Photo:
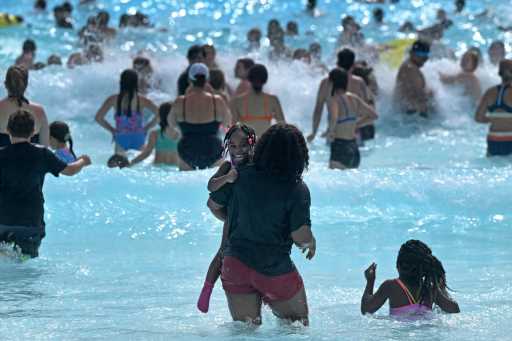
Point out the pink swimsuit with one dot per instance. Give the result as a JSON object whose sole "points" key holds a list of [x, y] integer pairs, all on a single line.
{"points": [[412, 309]]}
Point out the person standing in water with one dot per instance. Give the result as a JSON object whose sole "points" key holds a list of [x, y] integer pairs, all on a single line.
{"points": [[195, 54], [242, 68], [421, 283], [257, 108], [16, 83], [130, 129], [23, 167], [496, 52], [239, 144], [257, 265], [356, 85], [466, 77], [495, 108], [411, 94], [199, 115], [28, 54], [62, 142], [347, 113], [164, 141]]}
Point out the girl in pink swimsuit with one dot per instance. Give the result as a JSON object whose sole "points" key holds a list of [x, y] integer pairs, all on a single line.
{"points": [[421, 283]]}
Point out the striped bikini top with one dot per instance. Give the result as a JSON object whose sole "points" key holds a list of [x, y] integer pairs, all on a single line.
{"points": [[506, 110]]}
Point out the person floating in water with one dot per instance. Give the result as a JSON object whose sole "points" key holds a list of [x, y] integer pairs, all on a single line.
{"points": [[466, 77], [411, 95], [23, 166], [495, 108], [62, 142], [130, 128], [239, 143], [421, 283], [164, 141]]}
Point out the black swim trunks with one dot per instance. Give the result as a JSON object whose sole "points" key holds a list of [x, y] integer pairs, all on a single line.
{"points": [[346, 152], [499, 148], [28, 239]]}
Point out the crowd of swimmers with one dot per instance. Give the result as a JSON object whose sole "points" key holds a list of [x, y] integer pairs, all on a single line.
{"points": [[242, 129]]}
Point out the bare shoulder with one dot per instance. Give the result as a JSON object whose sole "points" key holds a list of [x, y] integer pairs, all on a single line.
{"points": [[37, 109]]}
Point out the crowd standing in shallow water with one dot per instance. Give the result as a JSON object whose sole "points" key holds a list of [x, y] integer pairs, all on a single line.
{"points": [[262, 159]]}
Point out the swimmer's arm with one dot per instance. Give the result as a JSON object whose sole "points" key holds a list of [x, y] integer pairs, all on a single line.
{"points": [[76, 167], [44, 130], [333, 109], [367, 114], [147, 103], [278, 111], [371, 302], [446, 303], [481, 111], [102, 113], [219, 178], [304, 240], [321, 98], [148, 149], [235, 115], [448, 79], [217, 210], [223, 108]]}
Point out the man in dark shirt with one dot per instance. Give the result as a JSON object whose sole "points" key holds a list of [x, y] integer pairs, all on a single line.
{"points": [[23, 167], [268, 210], [195, 54]]}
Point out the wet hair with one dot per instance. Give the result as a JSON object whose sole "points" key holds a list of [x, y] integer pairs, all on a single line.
{"points": [[163, 112], [29, 46], [123, 20], [40, 5], [300, 54], [292, 27], [250, 132], [311, 5], [105, 15], [217, 79], [258, 77], [378, 15], [363, 71], [246, 62], [128, 85], [346, 59], [282, 152], [143, 61], [497, 43], [348, 19], [60, 131], [16, 82], [199, 82], [66, 6], [417, 265], [195, 51], [460, 4], [474, 56], [420, 46], [21, 124], [338, 79], [209, 46], [254, 31]]}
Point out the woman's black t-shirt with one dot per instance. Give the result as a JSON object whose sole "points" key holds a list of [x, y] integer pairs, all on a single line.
{"points": [[23, 167], [262, 213]]}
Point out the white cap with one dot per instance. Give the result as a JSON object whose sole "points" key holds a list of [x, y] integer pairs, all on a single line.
{"points": [[198, 69]]}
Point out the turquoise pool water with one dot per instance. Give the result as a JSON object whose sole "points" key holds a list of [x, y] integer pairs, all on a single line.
{"points": [[126, 251]]}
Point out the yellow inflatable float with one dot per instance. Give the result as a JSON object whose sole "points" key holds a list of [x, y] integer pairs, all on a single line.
{"points": [[393, 52], [7, 20]]}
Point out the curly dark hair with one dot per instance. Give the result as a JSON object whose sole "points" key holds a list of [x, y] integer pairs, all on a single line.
{"points": [[282, 152], [21, 124], [418, 265]]}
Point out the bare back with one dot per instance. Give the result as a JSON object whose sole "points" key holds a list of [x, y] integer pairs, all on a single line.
{"points": [[9, 106]]}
